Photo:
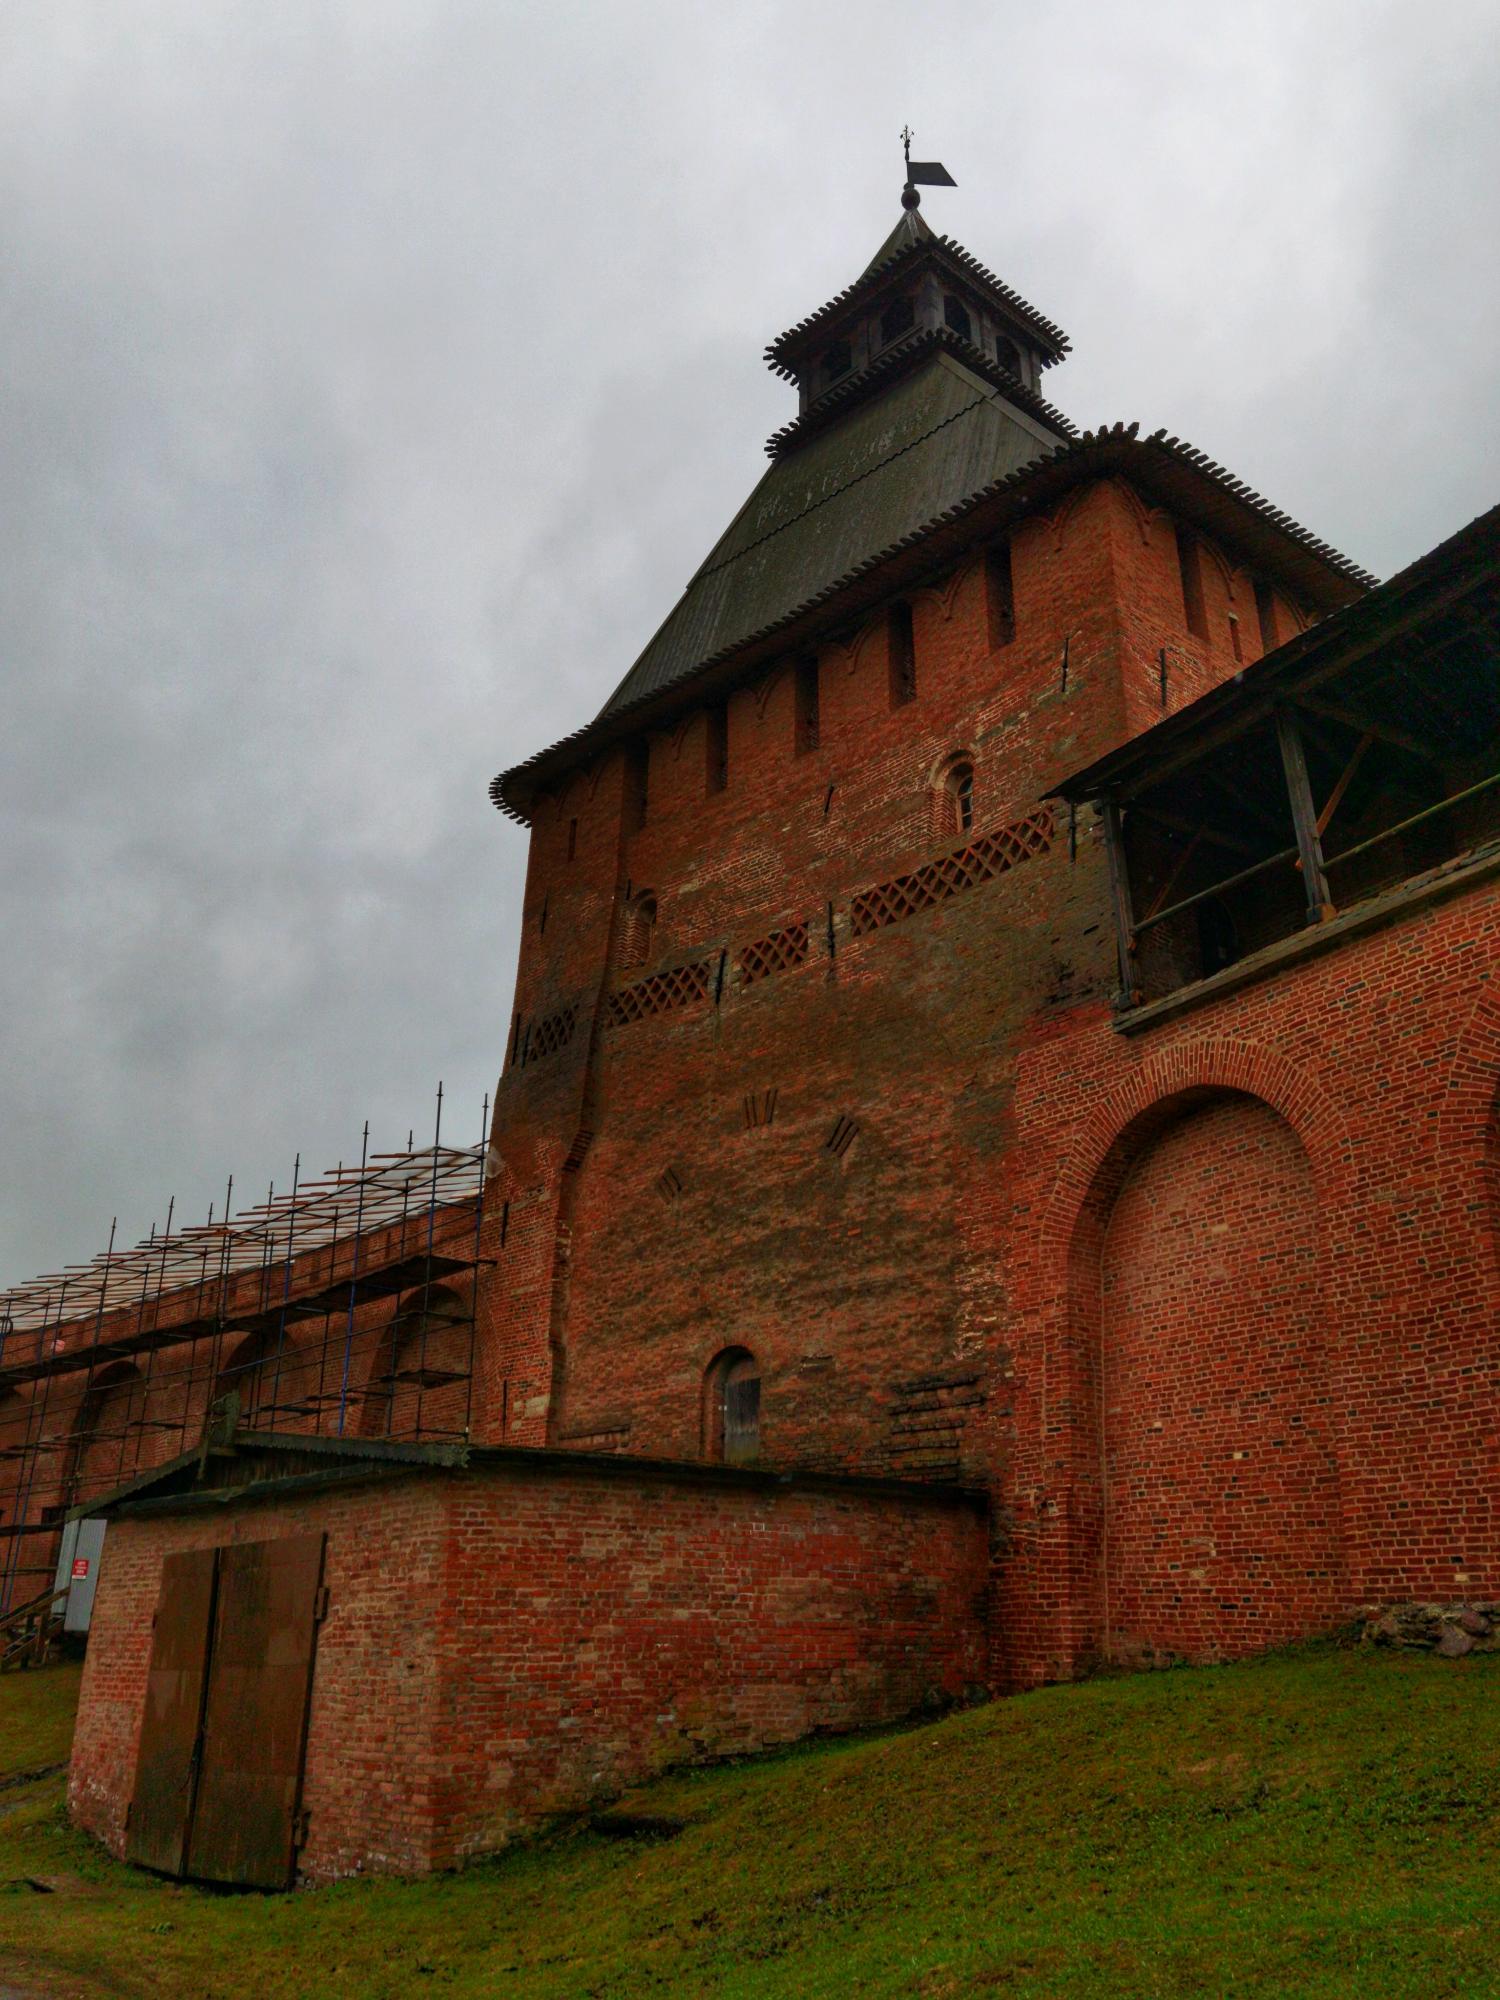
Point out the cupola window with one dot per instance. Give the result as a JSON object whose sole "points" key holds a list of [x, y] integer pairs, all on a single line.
{"points": [[1007, 354], [899, 317], [837, 362], [956, 315]]}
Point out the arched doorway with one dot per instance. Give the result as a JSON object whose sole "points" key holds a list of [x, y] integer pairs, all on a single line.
{"points": [[731, 1407], [1220, 1522]]}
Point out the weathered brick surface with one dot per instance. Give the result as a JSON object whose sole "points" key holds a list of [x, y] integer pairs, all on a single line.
{"points": [[1302, 1462], [1208, 1309], [1278, 1211], [513, 1643]]}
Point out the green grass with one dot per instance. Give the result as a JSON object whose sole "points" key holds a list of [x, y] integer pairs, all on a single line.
{"points": [[1318, 1823]]}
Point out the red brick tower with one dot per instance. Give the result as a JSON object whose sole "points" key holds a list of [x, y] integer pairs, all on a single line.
{"points": [[796, 896]]}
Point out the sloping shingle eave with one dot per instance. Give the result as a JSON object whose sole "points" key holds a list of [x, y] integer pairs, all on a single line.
{"points": [[1168, 467]]}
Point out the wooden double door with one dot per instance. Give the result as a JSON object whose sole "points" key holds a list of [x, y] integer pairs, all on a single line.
{"points": [[218, 1784]]}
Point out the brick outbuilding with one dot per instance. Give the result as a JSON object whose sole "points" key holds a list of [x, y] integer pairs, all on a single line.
{"points": [[331, 1658]]}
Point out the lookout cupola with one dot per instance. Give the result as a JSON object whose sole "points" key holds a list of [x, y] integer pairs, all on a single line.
{"points": [[918, 291]]}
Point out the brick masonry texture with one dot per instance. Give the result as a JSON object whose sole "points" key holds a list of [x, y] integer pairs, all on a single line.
{"points": [[506, 1645], [1207, 1310]]}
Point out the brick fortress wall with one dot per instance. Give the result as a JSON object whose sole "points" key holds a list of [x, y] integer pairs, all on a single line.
{"points": [[1251, 1255], [1172, 1297], [1203, 1373]]}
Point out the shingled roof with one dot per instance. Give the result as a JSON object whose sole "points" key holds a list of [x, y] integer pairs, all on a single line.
{"points": [[903, 516], [892, 473], [889, 466]]}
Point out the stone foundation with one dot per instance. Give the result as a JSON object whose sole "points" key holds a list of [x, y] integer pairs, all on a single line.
{"points": [[1451, 1630]]}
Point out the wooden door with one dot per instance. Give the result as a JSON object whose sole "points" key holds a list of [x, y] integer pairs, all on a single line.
{"points": [[255, 1719], [161, 1810], [741, 1415], [219, 1777]]}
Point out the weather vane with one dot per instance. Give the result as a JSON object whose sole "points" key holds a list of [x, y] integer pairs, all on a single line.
{"points": [[921, 173]]}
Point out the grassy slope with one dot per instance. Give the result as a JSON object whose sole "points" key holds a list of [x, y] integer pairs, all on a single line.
{"points": [[1313, 1824]]}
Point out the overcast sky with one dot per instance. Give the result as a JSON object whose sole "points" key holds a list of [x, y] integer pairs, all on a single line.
{"points": [[376, 372]]}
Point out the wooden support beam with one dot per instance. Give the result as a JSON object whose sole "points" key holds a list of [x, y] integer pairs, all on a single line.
{"points": [[1250, 807], [1304, 817], [1174, 878], [1205, 739], [1364, 725], [1176, 823], [1336, 795], [1119, 895]]}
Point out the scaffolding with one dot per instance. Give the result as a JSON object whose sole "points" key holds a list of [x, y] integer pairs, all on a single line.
{"points": [[111, 1367]]}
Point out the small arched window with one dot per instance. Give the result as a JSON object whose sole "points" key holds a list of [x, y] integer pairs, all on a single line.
{"points": [[1007, 354], [954, 800], [837, 362], [899, 317], [731, 1413], [640, 928], [956, 314]]}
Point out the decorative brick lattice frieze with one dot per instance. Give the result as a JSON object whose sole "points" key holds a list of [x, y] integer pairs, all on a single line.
{"points": [[662, 993], [776, 953], [550, 1034], [982, 860]]}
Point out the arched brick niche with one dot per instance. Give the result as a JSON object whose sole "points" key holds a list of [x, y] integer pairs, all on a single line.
{"points": [[1189, 1319], [419, 1380], [272, 1375], [1466, 1164], [107, 1447], [1220, 1526]]}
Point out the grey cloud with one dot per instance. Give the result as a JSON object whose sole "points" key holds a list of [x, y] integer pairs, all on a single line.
{"points": [[376, 375]]}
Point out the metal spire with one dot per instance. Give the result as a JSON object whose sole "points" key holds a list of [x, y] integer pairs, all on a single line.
{"points": [[924, 173]]}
